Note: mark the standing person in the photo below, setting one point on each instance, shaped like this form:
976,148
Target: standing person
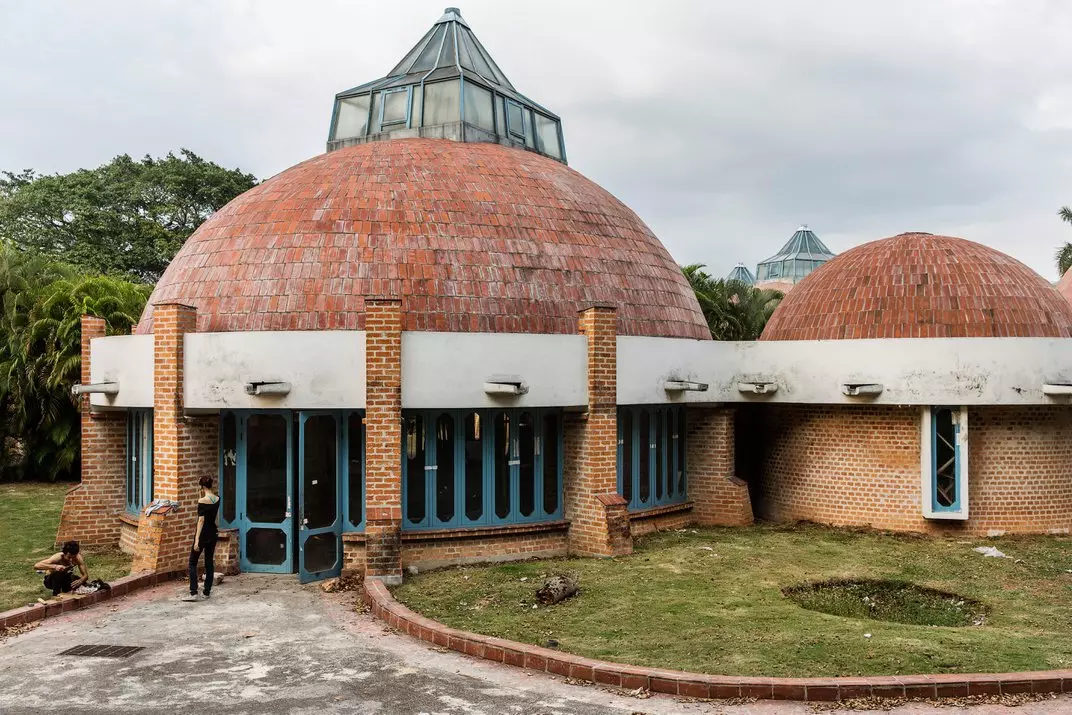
58,569
205,535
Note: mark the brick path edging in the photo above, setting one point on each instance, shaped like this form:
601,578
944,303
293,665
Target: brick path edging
698,685
120,587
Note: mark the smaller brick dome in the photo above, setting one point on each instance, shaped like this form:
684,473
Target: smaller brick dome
917,285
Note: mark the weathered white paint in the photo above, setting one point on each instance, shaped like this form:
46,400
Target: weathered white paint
128,360
950,371
450,369
326,369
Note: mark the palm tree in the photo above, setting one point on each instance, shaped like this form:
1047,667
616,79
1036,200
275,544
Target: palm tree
733,310
1064,253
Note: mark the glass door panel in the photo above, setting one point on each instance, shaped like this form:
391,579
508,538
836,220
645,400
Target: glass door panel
265,485
320,526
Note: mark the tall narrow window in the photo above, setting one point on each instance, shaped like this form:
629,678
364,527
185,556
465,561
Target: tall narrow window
502,465
549,457
415,463
139,458
474,468
355,463
682,447
526,457
644,459
625,447
229,466
660,454
945,460
444,475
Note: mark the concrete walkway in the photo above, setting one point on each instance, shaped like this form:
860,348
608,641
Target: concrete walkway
264,644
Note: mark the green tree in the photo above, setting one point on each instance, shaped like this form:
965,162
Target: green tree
733,310
43,302
126,217
1064,253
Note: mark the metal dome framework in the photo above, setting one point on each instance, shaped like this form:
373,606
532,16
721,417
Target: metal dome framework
447,86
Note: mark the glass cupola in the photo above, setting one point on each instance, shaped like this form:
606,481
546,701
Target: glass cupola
447,87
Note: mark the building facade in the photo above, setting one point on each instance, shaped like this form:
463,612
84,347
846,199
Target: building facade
437,343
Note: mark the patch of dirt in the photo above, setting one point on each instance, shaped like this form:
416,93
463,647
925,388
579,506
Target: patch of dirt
967,701
11,631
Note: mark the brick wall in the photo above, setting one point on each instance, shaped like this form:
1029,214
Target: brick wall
599,522
128,535
510,546
90,509
1020,459
654,520
383,435
720,498
184,448
860,466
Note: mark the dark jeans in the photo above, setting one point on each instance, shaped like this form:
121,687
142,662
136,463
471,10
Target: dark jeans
59,581
208,548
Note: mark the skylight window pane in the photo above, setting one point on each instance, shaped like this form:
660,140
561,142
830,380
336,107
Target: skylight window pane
478,111
442,102
352,118
547,131
395,107
428,57
515,122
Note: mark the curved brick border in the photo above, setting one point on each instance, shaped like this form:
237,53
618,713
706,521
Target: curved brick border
120,587
696,685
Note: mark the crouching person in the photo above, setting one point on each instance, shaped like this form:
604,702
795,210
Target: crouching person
59,569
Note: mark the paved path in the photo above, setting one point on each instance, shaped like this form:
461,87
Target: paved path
264,644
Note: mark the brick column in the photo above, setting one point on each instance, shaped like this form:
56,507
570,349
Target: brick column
184,449
598,515
91,509
720,498
383,439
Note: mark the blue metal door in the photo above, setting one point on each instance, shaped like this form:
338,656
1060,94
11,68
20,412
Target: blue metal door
265,491
320,464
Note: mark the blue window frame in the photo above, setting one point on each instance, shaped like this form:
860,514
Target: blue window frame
481,467
947,461
351,464
651,455
139,459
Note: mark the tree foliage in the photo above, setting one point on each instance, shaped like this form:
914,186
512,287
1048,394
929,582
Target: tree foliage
127,217
40,343
1064,253
734,310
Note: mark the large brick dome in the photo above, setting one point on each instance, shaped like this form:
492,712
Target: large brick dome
917,285
473,236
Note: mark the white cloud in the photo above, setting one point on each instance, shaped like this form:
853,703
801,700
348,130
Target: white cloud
724,125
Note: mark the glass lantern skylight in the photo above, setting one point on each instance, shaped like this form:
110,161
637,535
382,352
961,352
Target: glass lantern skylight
448,86
801,255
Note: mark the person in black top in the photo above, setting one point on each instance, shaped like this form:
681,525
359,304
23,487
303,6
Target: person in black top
205,535
59,569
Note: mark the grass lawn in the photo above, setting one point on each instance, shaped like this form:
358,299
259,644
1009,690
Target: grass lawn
29,516
710,600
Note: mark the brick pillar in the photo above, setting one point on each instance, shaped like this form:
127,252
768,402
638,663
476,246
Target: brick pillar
91,509
720,498
383,439
598,515
184,449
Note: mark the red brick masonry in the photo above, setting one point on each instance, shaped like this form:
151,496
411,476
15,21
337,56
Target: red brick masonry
120,587
697,685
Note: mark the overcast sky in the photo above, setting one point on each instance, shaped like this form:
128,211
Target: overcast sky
724,125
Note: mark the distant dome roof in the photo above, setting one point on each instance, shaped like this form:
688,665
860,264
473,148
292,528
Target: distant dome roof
917,285
476,237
